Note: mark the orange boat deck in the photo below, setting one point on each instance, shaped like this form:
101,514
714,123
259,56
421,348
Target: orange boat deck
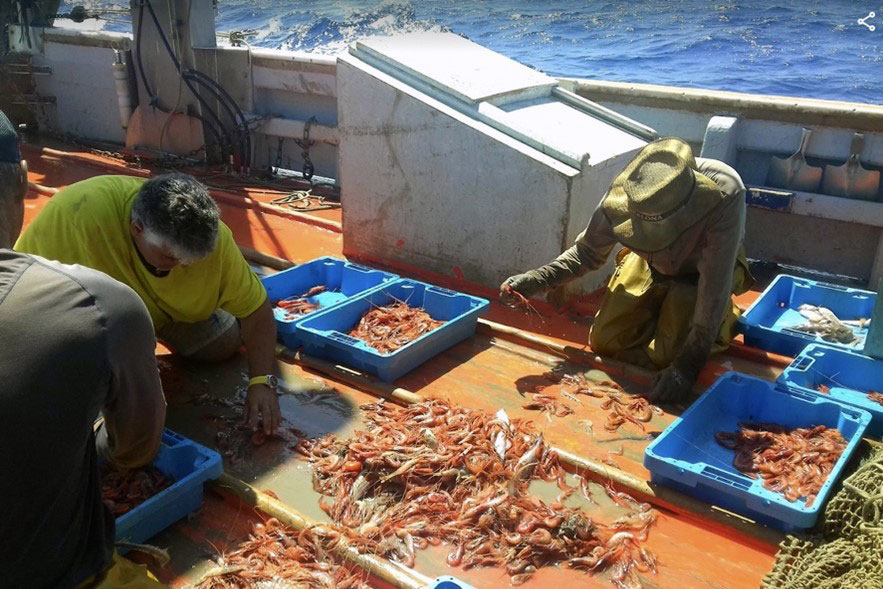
486,372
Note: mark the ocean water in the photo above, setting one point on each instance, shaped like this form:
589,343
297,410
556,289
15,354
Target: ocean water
806,48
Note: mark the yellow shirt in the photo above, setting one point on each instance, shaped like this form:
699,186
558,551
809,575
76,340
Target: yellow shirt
87,223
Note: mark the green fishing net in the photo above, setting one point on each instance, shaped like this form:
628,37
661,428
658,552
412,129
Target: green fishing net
847,551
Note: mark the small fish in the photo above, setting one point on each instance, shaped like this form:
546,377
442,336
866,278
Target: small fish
501,438
528,460
587,425
531,453
360,485
825,324
429,437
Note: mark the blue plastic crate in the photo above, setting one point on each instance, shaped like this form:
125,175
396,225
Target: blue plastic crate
769,322
325,333
687,456
190,465
848,376
341,279
449,582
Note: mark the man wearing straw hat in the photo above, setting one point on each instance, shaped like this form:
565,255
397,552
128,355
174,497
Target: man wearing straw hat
668,304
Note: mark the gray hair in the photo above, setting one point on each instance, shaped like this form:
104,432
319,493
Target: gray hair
10,180
179,209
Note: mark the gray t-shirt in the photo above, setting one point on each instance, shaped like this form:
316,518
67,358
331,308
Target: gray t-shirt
75,343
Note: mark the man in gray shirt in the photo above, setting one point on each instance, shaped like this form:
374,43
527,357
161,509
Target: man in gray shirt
75,343
668,304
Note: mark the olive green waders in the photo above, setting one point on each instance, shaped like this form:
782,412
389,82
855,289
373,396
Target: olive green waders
645,317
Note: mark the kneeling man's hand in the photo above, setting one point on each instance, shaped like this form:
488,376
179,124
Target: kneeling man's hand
262,401
671,386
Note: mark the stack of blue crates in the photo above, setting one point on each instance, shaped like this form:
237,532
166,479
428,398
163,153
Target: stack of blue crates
340,278
769,322
826,384
189,464
325,333
847,376
687,456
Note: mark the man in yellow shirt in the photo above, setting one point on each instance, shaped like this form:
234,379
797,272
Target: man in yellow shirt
163,238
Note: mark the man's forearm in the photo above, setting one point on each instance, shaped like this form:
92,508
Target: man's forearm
589,252
259,337
694,353
564,268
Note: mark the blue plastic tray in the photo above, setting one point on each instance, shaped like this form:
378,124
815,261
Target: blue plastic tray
449,582
325,332
769,322
190,465
686,455
848,376
341,279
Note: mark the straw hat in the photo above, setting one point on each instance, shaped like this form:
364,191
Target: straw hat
658,196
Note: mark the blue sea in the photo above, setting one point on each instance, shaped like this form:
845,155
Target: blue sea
813,49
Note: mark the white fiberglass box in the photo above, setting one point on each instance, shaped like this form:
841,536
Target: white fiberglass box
460,161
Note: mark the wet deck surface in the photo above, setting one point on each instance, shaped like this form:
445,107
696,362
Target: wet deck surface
481,373
691,553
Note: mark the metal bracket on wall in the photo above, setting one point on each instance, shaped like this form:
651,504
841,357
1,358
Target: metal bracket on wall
25,69
767,198
33,99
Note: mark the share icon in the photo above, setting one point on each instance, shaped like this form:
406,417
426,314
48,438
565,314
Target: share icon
864,21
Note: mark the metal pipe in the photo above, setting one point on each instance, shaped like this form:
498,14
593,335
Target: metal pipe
572,353
347,376
605,114
84,159
803,111
124,91
40,189
292,128
33,99
253,255
377,567
26,69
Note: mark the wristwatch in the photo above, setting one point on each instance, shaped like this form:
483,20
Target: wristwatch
269,379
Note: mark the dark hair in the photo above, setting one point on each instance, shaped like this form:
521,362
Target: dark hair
179,208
